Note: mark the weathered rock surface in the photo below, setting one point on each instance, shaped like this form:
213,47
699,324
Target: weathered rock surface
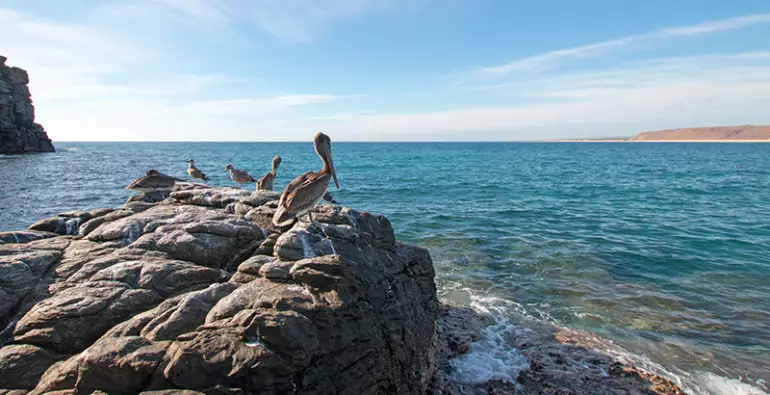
560,361
18,131
192,293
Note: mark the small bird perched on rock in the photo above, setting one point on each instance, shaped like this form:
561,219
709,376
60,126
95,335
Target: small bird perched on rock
239,176
305,191
153,180
194,172
266,182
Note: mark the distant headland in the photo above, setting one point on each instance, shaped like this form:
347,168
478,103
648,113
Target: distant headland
737,134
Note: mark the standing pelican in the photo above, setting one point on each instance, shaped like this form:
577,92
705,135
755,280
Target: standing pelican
239,176
153,181
266,182
194,172
308,189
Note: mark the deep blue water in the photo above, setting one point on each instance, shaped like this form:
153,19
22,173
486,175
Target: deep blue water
662,248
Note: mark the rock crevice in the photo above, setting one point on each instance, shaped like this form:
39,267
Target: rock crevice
19,133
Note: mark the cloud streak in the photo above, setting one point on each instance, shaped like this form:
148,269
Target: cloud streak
547,60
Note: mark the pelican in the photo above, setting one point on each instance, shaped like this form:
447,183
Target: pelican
266,182
239,176
194,172
153,180
308,189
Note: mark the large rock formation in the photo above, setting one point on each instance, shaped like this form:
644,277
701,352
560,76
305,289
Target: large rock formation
744,132
18,131
192,293
198,293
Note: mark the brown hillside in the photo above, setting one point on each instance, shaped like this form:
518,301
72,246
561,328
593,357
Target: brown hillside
744,132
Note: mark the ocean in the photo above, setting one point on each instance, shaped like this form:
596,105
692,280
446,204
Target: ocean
663,249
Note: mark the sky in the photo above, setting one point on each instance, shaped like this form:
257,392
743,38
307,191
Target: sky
387,70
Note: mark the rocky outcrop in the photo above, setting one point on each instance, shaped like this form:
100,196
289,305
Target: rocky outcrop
744,132
197,293
194,292
18,131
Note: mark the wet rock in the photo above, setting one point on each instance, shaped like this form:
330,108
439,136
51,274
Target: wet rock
24,236
22,365
560,361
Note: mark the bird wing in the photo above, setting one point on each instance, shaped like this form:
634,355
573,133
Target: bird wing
292,186
198,174
307,191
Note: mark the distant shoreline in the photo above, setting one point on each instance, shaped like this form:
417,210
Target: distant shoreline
645,141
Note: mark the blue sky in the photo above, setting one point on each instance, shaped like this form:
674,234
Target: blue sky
385,70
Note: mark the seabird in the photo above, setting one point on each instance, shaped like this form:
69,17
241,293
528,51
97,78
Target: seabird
308,189
239,176
266,182
194,172
153,180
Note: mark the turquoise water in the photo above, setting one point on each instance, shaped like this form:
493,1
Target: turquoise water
662,248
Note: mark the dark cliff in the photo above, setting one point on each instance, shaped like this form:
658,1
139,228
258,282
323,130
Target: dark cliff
18,131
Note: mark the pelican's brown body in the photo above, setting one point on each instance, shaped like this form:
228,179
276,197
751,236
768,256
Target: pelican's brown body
266,182
153,180
308,189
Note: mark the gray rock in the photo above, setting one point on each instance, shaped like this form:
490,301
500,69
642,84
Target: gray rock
276,270
19,133
22,365
179,295
24,236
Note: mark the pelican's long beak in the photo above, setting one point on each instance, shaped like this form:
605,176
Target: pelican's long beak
225,170
331,167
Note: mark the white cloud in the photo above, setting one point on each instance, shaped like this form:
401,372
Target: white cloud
89,83
717,89
546,60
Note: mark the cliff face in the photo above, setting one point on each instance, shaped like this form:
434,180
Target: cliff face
744,132
18,131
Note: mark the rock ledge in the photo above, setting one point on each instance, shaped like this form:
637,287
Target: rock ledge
192,293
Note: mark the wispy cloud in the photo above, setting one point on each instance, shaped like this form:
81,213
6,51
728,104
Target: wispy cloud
89,83
702,90
549,59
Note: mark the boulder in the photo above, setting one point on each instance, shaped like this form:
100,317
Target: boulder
191,295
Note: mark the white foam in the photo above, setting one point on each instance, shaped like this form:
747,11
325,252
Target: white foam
711,383
490,358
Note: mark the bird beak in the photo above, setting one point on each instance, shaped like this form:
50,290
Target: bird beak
331,167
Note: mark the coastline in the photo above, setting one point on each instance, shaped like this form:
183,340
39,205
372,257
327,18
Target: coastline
215,248
647,141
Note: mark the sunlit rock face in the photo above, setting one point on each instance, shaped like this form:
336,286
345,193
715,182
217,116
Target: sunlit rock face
197,292
18,131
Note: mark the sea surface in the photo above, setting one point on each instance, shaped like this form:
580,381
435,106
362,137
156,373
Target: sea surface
663,249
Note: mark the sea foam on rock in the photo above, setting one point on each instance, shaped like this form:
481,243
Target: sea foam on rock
186,293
